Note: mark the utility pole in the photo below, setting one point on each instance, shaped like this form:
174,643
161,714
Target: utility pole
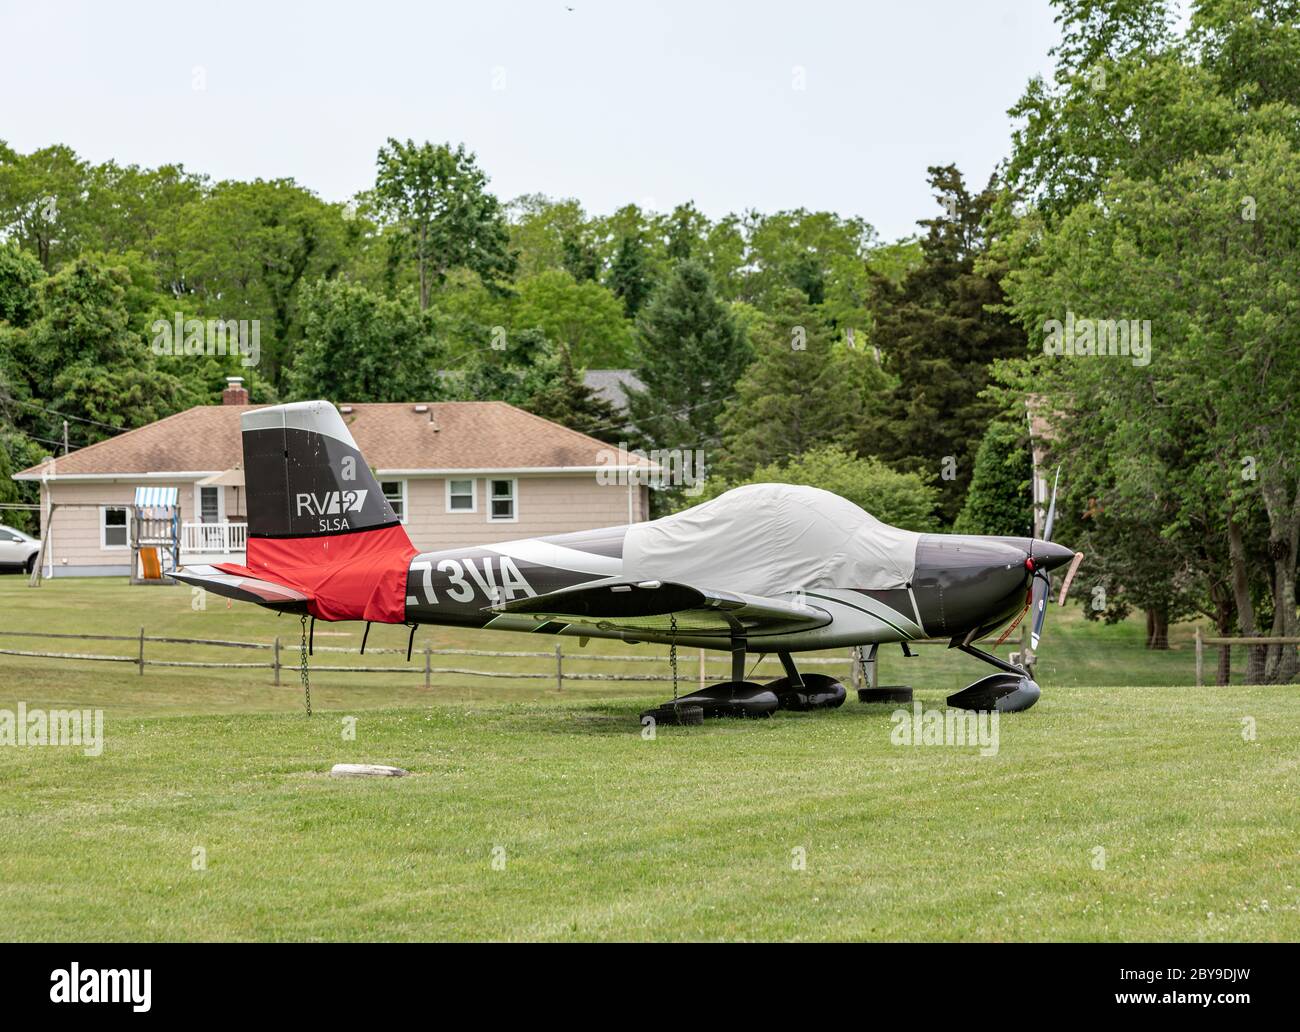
65,437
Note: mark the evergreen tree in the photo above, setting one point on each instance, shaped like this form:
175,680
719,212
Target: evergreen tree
798,393
565,399
693,351
939,339
629,274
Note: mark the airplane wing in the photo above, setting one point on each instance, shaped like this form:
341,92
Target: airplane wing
244,589
651,605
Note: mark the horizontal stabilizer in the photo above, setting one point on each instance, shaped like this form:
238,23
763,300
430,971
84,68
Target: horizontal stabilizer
245,589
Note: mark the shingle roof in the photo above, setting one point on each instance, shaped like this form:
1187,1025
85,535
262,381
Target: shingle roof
611,385
449,435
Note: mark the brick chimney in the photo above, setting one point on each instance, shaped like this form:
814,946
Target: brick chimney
235,393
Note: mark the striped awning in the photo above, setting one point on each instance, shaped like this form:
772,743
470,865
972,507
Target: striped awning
155,497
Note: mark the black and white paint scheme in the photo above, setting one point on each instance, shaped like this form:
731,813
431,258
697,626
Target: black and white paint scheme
767,568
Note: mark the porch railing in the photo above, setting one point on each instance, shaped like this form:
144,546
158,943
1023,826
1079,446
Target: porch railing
214,538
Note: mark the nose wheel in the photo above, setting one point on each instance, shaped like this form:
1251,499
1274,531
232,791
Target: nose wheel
1010,691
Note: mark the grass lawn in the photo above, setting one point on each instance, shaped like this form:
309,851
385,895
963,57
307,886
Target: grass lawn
605,835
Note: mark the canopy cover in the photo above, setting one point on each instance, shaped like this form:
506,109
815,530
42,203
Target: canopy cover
765,539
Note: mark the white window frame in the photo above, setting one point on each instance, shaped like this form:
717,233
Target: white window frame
198,502
473,497
406,505
514,499
103,528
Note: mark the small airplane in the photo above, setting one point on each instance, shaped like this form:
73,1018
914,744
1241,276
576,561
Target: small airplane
765,568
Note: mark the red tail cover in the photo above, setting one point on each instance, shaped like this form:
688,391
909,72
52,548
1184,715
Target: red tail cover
360,576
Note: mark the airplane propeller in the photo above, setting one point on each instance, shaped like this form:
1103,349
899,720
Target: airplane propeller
1042,584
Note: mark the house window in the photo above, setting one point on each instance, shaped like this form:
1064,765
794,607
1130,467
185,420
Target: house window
210,504
502,501
112,526
460,496
395,495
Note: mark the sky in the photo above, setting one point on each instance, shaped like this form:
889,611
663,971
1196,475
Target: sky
735,106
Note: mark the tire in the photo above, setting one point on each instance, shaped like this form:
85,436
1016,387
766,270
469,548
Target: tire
30,565
670,714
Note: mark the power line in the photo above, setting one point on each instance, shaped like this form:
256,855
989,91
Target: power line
64,415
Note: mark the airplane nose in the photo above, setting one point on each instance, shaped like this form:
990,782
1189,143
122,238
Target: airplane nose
1048,555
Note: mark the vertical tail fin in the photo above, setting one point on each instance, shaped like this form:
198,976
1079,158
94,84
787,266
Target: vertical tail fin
318,522
305,476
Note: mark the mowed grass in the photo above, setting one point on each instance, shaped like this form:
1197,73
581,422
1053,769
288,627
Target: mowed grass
532,814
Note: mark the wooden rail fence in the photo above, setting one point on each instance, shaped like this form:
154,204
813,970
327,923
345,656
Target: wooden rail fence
556,657
1202,641
276,664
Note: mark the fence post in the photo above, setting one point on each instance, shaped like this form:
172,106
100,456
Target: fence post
140,658
1200,657
275,660
703,672
559,667
428,666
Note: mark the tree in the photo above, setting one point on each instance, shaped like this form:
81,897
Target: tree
800,391
42,202
435,199
549,234
1001,488
515,374
629,274
20,275
1161,190
684,231
82,359
586,317
802,249
939,330
899,499
692,351
246,249
360,346
566,399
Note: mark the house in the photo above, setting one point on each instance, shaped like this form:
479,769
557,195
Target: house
457,473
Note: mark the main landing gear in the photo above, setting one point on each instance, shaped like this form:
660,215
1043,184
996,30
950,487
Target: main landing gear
741,698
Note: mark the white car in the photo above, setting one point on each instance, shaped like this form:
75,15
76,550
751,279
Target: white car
18,551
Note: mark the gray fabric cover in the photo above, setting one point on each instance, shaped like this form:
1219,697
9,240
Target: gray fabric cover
764,539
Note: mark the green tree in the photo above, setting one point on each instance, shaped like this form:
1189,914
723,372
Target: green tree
20,275
246,250
692,351
630,277
800,391
939,330
436,201
515,373
586,317
1001,488
360,346
81,358
566,399
43,201
806,250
